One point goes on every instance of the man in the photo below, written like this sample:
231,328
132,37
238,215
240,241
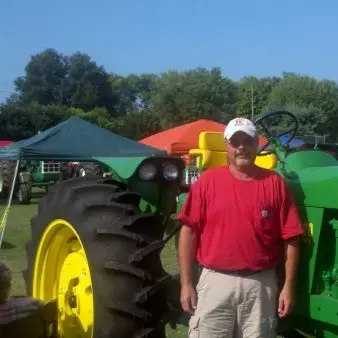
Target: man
240,223
13,308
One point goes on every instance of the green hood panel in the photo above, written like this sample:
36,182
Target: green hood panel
312,177
316,186
124,167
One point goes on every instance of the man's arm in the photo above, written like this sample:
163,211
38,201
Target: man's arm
291,261
192,216
187,248
291,229
287,295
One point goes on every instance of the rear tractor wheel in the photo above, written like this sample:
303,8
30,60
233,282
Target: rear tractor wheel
98,254
7,169
90,169
25,193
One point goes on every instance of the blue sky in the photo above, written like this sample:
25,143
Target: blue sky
243,37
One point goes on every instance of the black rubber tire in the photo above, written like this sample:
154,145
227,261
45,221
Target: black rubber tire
123,247
92,169
66,172
8,171
25,191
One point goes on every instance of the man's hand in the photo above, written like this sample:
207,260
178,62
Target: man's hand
188,298
286,301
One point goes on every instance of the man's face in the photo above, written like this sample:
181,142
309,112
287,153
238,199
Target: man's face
242,149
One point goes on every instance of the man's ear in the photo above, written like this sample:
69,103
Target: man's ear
226,143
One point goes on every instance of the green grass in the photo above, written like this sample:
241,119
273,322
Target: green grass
13,251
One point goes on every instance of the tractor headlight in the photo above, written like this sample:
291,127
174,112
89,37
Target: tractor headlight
170,171
147,172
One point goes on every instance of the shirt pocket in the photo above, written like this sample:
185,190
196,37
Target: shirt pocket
266,221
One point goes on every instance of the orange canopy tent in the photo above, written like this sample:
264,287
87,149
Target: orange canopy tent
179,140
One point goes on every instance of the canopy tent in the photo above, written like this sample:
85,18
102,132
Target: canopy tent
4,143
294,143
179,140
75,139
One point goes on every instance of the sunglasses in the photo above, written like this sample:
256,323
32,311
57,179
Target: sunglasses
246,142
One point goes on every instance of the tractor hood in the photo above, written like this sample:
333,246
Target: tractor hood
312,177
124,167
315,187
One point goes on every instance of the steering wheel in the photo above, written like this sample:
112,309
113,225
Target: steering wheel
292,131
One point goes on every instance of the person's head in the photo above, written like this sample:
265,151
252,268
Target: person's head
241,141
5,282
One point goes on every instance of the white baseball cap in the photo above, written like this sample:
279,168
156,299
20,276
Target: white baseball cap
240,124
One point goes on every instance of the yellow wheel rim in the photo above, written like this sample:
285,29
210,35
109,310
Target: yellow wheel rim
61,272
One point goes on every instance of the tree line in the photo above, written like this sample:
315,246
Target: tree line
56,86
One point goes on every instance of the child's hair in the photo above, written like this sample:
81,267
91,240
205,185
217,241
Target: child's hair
5,282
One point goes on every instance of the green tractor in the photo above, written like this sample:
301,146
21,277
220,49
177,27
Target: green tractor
31,174
96,244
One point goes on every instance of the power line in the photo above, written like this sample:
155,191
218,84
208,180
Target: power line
252,103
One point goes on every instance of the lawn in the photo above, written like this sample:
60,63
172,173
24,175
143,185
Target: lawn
17,234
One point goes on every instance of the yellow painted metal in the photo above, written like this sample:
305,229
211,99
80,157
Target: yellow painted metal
209,159
212,152
62,272
211,140
267,161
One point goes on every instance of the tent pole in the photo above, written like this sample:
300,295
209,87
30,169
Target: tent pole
9,202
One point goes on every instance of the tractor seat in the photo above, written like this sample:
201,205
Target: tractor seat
42,323
211,152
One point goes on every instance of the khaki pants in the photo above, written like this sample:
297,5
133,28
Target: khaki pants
231,306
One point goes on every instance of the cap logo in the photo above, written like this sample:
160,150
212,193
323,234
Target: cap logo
239,122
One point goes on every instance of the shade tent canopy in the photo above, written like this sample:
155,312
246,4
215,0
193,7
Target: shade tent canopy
179,140
4,143
294,143
75,139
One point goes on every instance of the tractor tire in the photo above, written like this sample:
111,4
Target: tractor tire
90,235
24,193
90,169
66,172
8,170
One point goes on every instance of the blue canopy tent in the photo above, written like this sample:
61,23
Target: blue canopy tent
76,139
295,142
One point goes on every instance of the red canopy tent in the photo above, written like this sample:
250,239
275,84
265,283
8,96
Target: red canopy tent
179,140
5,143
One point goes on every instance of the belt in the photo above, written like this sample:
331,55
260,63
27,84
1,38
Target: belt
238,273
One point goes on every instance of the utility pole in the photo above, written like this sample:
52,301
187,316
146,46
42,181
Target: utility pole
252,103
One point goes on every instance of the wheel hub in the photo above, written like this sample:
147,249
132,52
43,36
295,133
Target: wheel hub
82,172
75,296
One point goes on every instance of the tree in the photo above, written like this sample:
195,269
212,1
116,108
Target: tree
21,120
45,73
254,90
56,86
88,86
182,97
75,81
313,100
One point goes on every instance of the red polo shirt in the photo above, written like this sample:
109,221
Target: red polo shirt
240,224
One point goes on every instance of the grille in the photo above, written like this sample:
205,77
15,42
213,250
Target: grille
50,167
191,171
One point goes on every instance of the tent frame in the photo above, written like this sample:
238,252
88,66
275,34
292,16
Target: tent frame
9,204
